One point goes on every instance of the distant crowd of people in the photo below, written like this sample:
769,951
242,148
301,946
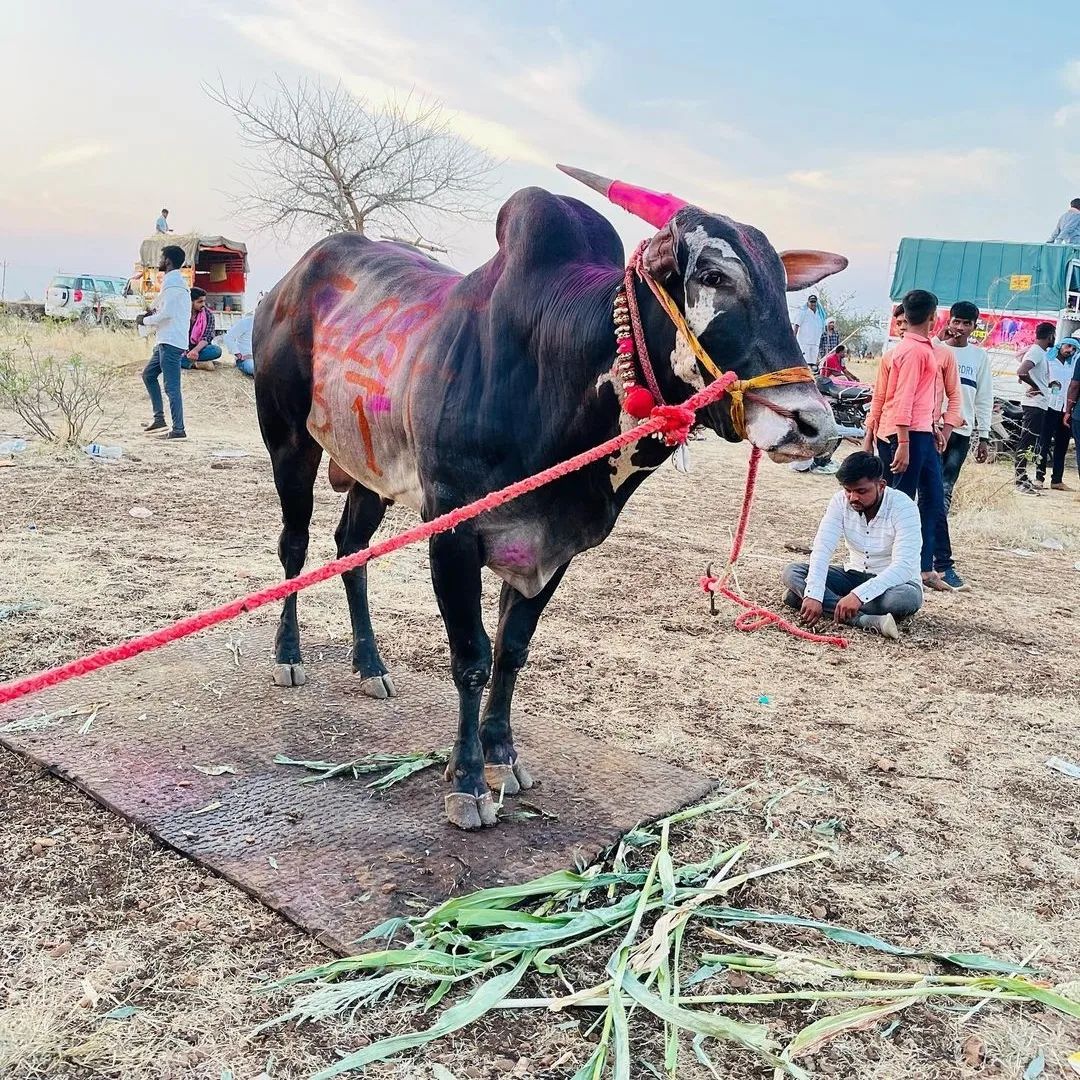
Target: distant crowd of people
933,395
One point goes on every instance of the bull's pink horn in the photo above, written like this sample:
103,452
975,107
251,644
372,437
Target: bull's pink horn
652,206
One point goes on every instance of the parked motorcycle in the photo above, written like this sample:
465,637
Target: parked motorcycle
1006,424
850,403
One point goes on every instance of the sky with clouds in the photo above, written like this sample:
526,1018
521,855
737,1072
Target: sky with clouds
827,128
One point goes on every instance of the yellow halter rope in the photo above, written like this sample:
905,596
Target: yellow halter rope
740,387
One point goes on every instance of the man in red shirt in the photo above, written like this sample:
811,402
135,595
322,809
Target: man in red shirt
832,366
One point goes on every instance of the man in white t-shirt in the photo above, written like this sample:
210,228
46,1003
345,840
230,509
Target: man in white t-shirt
1054,444
1034,373
976,394
809,326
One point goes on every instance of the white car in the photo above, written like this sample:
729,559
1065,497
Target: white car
83,296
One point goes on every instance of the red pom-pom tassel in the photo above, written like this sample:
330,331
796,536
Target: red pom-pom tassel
639,402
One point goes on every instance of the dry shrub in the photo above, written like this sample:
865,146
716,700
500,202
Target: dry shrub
62,401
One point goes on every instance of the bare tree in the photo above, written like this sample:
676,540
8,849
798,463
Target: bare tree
857,329
326,161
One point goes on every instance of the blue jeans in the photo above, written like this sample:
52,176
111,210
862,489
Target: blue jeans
208,352
1076,434
900,601
922,480
247,365
165,361
952,461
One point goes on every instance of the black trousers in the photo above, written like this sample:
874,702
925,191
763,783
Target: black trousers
1053,446
1027,448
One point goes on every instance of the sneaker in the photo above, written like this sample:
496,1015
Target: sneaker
885,625
1037,484
1025,487
175,435
954,580
935,581
157,424
829,468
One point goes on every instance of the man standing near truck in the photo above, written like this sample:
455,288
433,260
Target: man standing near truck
171,318
1034,373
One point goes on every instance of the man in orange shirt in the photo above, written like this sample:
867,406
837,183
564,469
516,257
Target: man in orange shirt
903,420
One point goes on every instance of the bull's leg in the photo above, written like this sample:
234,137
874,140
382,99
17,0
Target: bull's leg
455,574
363,512
296,464
518,616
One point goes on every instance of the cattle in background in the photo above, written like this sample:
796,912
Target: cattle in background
431,389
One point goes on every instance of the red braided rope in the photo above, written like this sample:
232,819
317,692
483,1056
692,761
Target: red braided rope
755,617
673,421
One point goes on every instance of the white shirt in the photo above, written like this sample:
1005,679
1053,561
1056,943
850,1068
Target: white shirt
1059,372
162,224
238,339
976,389
888,546
811,325
1040,376
171,316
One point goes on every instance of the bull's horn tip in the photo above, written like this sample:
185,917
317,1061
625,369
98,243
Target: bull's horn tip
590,179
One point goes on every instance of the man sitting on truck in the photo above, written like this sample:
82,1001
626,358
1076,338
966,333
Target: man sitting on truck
1067,230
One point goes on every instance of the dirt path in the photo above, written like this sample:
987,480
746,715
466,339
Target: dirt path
928,754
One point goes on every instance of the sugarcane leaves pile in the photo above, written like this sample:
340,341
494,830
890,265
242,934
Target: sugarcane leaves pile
482,946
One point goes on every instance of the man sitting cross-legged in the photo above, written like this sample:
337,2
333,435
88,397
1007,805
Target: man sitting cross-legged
880,581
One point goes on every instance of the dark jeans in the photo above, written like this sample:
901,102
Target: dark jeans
1076,434
208,352
900,601
922,480
1053,445
1030,433
165,361
952,461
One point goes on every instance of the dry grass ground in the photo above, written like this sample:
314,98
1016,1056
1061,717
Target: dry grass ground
929,753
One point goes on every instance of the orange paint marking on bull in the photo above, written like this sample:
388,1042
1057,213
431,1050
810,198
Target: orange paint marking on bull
365,435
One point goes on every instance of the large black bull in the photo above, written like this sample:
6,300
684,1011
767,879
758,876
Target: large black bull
431,389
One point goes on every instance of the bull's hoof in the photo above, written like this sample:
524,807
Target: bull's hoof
470,811
509,779
289,675
379,687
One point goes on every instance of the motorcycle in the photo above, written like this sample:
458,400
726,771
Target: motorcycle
850,404
1006,424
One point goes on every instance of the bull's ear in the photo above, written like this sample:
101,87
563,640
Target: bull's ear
659,257
806,268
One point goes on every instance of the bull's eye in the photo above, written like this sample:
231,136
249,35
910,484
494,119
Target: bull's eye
711,279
